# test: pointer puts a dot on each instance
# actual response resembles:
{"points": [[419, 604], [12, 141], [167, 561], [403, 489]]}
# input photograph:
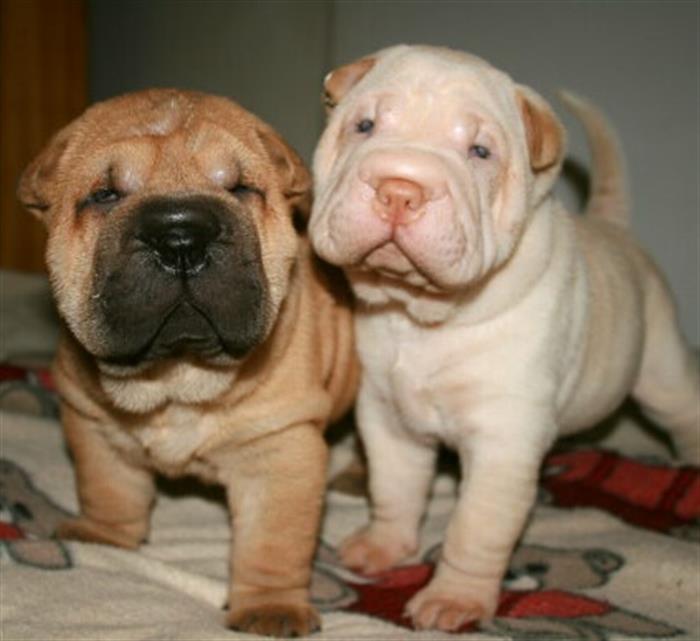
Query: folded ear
{"points": [[34, 188], [544, 133], [293, 174], [339, 81]]}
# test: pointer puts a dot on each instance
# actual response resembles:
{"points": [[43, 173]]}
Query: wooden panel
{"points": [[42, 87]]}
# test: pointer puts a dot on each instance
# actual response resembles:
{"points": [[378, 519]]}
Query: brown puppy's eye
{"points": [[102, 198], [479, 151], [364, 126], [241, 190], [105, 196]]}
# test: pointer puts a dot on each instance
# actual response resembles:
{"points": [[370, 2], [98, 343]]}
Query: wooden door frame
{"points": [[43, 86]]}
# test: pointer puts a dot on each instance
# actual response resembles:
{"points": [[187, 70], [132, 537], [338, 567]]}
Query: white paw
{"points": [[434, 608], [370, 551]]}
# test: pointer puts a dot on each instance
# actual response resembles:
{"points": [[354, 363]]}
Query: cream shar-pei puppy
{"points": [[492, 320]]}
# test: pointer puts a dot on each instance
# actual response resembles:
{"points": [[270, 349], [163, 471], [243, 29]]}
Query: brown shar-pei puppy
{"points": [[201, 337]]}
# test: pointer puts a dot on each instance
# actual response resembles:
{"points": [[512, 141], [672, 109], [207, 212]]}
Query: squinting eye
{"points": [[479, 151], [101, 199], [364, 126], [242, 190], [105, 196]]}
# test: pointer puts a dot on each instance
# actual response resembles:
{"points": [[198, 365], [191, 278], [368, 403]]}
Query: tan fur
{"points": [[254, 425], [341, 80], [490, 320]]}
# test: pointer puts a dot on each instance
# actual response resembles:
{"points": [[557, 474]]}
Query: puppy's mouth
{"points": [[186, 330], [389, 261]]}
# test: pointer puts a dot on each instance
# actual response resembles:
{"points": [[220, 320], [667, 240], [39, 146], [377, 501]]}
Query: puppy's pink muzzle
{"points": [[398, 201], [404, 182]]}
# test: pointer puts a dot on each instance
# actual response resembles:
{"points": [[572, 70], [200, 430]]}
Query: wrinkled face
{"points": [[170, 227], [424, 175]]}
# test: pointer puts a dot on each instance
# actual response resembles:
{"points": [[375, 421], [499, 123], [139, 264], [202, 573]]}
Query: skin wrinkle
{"points": [[461, 235], [334, 234]]}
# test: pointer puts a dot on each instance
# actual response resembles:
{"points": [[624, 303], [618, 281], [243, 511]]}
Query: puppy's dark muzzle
{"points": [[184, 275], [179, 234]]}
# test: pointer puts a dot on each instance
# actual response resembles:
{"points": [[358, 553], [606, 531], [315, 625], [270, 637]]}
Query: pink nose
{"points": [[399, 201]]}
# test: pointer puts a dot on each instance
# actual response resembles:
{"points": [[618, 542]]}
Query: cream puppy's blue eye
{"points": [[479, 151], [364, 126]]}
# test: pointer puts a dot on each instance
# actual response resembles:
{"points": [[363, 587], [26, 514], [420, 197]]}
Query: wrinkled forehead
{"points": [[137, 138], [164, 117], [424, 77]]}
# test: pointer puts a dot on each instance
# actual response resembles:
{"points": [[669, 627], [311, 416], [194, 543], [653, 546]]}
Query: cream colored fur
{"points": [[494, 321]]}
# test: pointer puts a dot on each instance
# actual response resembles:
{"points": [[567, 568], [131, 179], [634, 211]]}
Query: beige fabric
{"points": [[174, 587]]}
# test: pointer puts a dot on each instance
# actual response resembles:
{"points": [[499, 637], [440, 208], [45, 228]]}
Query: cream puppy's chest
{"points": [[414, 398], [414, 372]]}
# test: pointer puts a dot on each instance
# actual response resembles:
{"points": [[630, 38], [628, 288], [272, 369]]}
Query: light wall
{"points": [[637, 59]]}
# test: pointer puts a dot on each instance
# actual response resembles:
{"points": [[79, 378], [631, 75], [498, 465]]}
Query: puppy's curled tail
{"points": [[609, 197]]}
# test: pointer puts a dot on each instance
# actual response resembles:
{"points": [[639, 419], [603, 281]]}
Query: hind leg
{"points": [[668, 387]]}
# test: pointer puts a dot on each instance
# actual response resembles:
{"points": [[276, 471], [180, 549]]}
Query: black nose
{"points": [[179, 233]]}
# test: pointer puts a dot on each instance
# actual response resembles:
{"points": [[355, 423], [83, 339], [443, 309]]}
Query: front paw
{"points": [[370, 551], [84, 529], [275, 619], [433, 608]]}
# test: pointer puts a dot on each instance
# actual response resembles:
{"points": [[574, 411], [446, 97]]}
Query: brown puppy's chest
{"points": [[170, 443], [167, 441]]}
